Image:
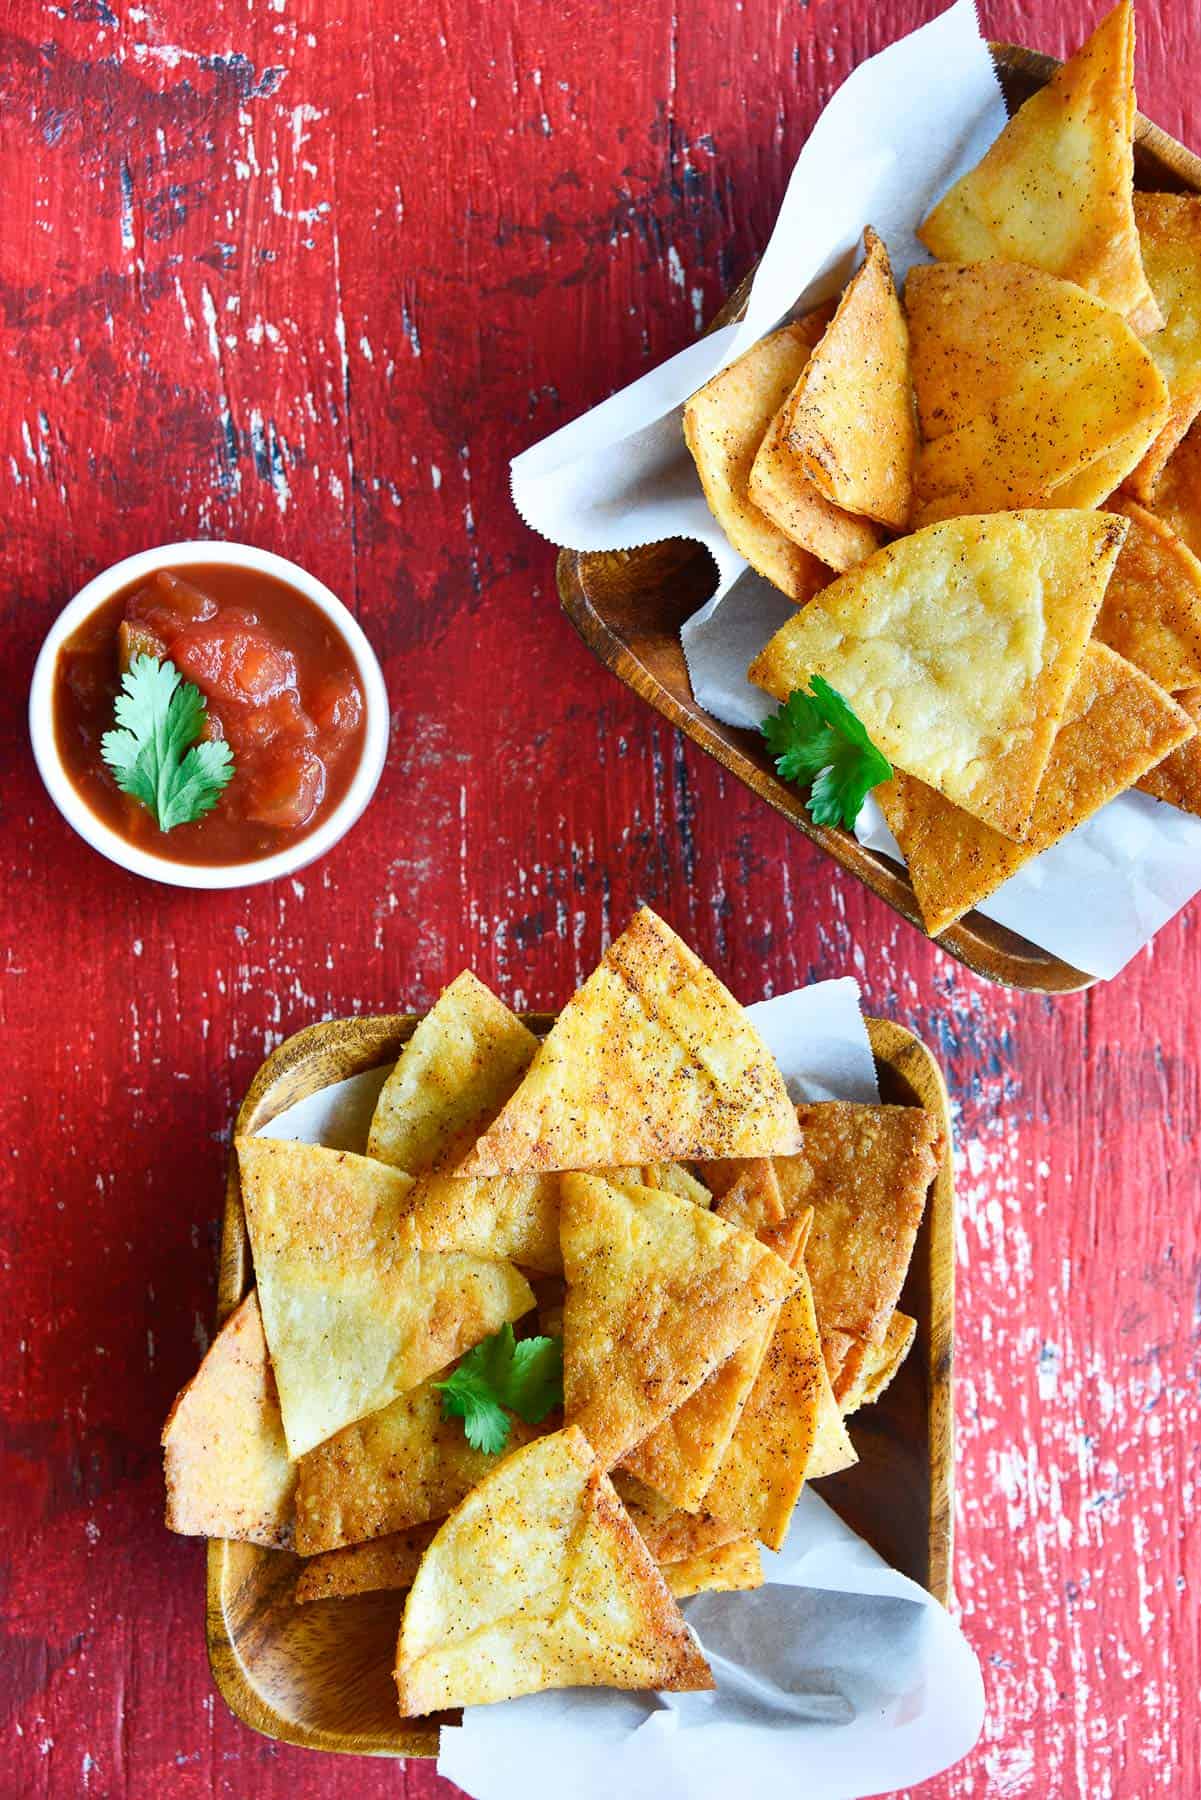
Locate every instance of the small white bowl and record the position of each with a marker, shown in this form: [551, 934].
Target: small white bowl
[100, 836]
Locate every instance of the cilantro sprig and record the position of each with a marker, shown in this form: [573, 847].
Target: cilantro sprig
[155, 754]
[816, 738]
[525, 1377]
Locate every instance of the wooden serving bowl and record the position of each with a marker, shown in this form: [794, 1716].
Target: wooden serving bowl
[321, 1674]
[629, 605]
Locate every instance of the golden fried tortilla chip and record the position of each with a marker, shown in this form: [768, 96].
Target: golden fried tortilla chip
[883, 1360]
[832, 1449]
[844, 1355]
[865, 1171]
[539, 1580]
[1118, 725]
[732, 1568]
[225, 1461]
[670, 1534]
[1151, 613]
[357, 1308]
[1177, 779]
[724, 424]
[753, 1198]
[1030, 393]
[464, 1060]
[389, 1562]
[1169, 229]
[1177, 499]
[659, 1293]
[957, 648]
[763, 1470]
[397, 1468]
[1055, 189]
[513, 1218]
[851, 421]
[652, 1060]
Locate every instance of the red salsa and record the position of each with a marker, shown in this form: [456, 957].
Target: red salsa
[280, 685]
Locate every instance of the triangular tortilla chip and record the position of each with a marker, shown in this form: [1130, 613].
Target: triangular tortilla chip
[670, 1534]
[844, 1355]
[1151, 613]
[1177, 779]
[1177, 499]
[225, 1461]
[464, 1060]
[1118, 725]
[957, 648]
[389, 1562]
[400, 1467]
[851, 421]
[724, 424]
[882, 1361]
[1169, 229]
[514, 1218]
[539, 1580]
[357, 1308]
[832, 1449]
[1029, 392]
[865, 1171]
[1055, 189]
[763, 1470]
[731, 1568]
[659, 1293]
[653, 1060]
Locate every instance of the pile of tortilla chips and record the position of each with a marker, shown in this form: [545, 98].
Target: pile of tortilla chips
[723, 1270]
[985, 497]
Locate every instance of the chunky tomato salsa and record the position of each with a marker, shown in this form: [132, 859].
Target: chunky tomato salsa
[280, 687]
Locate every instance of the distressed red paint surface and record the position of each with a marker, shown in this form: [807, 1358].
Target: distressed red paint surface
[306, 275]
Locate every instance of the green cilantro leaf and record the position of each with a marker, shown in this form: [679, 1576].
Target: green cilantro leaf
[155, 755]
[525, 1378]
[816, 738]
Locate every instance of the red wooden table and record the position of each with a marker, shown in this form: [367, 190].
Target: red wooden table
[306, 275]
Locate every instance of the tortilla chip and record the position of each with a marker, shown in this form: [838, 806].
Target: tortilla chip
[1177, 779]
[669, 1533]
[390, 1562]
[400, 1467]
[724, 424]
[832, 1449]
[659, 1293]
[673, 1178]
[763, 1470]
[357, 1308]
[539, 1580]
[865, 1171]
[225, 1461]
[681, 1456]
[513, 1218]
[1169, 228]
[850, 417]
[883, 1360]
[780, 487]
[1029, 392]
[1118, 725]
[464, 1060]
[1177, 498]
[957, 648]
[652, 1060]
[844, 1355]
[1151, 613]
[733, 1567]
[1055, 189]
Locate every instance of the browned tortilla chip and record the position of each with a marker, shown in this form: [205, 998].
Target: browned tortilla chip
[957, 648]
[357, 1307]
[865, 1171]
[844, 1355]
[224, 1456]
[659, 1293]
[464, 1060]
[539, 1580]
[398, 1468]
[851, 422]
[1118, 725]
[670, 1534]
[653, 1060]
[752, 1198]
[728, 1569]
[1177, 779]
[1029, 392]
[508, 1217]
[832, 1449]
[389, 1562]
[1177, 498]
[1151, 613]
[724, 424]
[883, 1360]
[1169, 228]
[1056, 187]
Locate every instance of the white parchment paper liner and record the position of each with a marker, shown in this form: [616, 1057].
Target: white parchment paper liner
[902, 127]
[838, 1678]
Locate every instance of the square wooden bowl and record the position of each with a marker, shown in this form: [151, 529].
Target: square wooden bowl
[629, 605]
[321, 1674]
